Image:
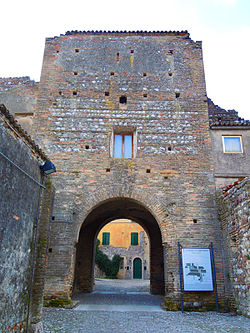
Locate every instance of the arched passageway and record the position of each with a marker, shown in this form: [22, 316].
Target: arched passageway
[104, 213]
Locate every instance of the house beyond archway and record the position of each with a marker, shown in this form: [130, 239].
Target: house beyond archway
[104, 213]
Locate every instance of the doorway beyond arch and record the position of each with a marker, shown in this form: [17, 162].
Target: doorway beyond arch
[104, 213]
[137, 268]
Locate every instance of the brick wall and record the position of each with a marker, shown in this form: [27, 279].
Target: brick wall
[234, 216]
[169, 180]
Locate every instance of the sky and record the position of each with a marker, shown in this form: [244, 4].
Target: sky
[223, 26]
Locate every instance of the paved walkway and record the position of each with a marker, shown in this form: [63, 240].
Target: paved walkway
[122, 306]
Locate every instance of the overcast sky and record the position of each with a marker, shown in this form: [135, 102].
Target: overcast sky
[223, 26]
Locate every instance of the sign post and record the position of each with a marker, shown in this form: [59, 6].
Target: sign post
[197, 270]
[180, 272]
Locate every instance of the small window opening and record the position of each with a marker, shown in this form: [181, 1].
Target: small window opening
[123, 100]
[148, 171]
[131, 51]
[195, 220]
[57, 51]
[105, 238]
[50, 250]
[123, 145]
[108, 170]
[74, 93]
[112, 73]
[144, 74]
[232, 144]
[171, 51]
[60, 93]
[170, 73]
[75, 73]
[145, 95]
[169, 148]
[53, 218]
[134, 238]
[106, 93]
[87, 147]
[54, 103]
[165, 177]
[76, 50]
[177, 94]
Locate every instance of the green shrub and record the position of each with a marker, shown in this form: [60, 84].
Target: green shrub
[109, 267]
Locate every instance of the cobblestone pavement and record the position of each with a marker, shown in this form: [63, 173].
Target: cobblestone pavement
[125, 306]
[67, 321]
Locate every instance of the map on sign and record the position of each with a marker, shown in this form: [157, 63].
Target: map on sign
[197, 272]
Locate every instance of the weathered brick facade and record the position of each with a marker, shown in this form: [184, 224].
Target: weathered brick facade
[150, 85]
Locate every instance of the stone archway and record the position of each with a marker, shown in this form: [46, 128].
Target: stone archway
[102, 214]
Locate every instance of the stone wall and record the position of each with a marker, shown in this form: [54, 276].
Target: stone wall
[19, 95]
[18, 215]
[235, 217]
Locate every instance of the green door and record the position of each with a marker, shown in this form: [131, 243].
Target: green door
[137, 268]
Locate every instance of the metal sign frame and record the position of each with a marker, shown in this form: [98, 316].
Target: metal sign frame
[199, 272]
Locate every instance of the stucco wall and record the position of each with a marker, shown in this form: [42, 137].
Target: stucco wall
[228, 167]
[19, 95]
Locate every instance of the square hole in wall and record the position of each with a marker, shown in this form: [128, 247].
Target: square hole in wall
[76, 50]
[123, 99]
[195, 220]
[144, 74]
[106, 93]
[75, 73]
[108, 170]
[148, 171]
[145, 95]
[112, 73]
[74, 93]
[50, 250]
[132, 51]
[87, 147]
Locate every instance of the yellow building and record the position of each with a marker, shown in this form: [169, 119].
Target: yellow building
[130, 241]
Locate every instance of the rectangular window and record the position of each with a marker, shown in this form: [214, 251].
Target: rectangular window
[232, 144]
[105, 238]
[134, 238]
[123, 145]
